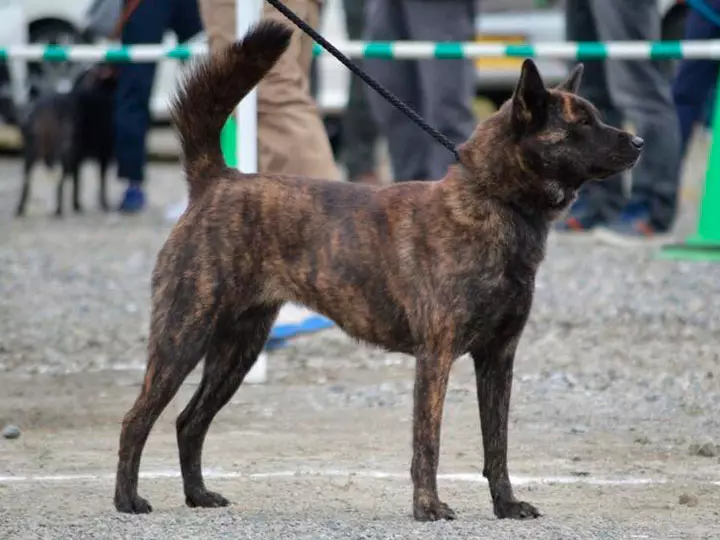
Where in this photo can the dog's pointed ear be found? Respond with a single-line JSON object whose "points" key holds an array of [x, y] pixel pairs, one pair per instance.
{"points": [[530, 99], [572, 83]]}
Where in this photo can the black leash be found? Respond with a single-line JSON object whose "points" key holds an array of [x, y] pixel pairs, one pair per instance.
{"points": [[435, 134]]}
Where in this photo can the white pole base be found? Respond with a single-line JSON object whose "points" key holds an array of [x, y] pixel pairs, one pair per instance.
{"points": [[258, 373]]}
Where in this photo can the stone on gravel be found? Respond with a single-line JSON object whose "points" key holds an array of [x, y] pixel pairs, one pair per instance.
{"points": [[688, 500], [706, 449], [11, 432]]}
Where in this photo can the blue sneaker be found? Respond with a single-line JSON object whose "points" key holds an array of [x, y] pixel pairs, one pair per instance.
{"points": [[633, 227], [134, 200]]}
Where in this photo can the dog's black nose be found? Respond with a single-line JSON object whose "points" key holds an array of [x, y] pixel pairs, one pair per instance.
{"points": [[637, 142]]}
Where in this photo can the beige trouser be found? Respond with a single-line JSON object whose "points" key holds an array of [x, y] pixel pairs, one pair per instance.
{"points": [[291, 135]]}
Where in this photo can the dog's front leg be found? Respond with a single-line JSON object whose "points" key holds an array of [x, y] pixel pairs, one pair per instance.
{"points": [[493, 374], [25, 193], [103, 186], [431, 379]]}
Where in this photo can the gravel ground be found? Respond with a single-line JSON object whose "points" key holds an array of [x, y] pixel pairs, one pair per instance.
{"points": [[617, 379]]}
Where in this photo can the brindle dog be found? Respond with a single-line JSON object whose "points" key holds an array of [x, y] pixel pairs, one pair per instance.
{"points": [[430, 269]]}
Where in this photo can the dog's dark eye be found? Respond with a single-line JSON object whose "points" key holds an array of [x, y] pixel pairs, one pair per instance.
{"points": [[585, 121]]}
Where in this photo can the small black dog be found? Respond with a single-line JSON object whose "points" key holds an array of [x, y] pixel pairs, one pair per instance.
{"points": [[68, 128]]}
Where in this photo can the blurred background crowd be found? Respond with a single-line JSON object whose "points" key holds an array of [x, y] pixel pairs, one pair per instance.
{"points": [[316, 119]]}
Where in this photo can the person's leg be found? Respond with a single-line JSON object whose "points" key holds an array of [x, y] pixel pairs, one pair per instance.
{"points": [[218, 18], [185, 19], [147, 24], [641, 89], [291, 135], [694, 78], [408, 145], [447, 87], [598, 202], [359, 131], [709, 110]]}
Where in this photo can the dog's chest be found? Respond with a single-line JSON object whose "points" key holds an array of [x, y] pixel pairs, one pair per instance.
{"points": [[496, 304]]}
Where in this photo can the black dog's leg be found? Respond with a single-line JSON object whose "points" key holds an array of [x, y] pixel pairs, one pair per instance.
{"points": [[232, 351], [25, 193], [60, 193], [432, 373], [493, 373], [77, 195], [103, 186]]}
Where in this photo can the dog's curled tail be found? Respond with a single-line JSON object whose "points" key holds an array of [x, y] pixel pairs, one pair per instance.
{"points": [[211, 91]]}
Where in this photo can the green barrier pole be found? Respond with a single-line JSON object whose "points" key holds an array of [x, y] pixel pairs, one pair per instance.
{"points": [[704, 245], [228, 142]]}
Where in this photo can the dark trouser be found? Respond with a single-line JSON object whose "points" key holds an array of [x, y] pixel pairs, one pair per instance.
{"points": [[360, 132], [695, 79], [440, 91], [638, 90], [147, 24]]}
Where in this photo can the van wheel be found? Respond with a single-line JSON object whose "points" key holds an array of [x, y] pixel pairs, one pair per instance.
{"points": [[46, 76]]}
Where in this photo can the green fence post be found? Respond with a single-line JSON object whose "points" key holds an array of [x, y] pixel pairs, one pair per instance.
{"points": [[704, 245], [228, 142]]}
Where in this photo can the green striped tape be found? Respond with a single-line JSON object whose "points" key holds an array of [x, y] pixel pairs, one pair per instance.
{"points": [[54, 53], [119, 54], [591, 50], [666, 50]]}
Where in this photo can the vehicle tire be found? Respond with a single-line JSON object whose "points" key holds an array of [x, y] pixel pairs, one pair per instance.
{"points": [[45, 76], [8, 112]]}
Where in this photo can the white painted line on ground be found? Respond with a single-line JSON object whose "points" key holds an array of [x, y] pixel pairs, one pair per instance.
{"points": [[452, 477]]}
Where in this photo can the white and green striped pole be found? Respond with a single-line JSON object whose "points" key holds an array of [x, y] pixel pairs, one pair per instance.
{"points": [[244, 154], [623, 50]]}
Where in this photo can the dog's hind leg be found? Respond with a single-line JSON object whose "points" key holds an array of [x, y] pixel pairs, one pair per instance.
{"points": [[432, 372], [493, 374], [103, 186], [232, 351], [174, 349], [25, 192], [59, 194], [77, 206]]}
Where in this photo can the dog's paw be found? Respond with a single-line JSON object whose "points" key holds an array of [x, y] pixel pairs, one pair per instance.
{"points": [[205, 499], [427, 509], [132, 505], [516, 510]]}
